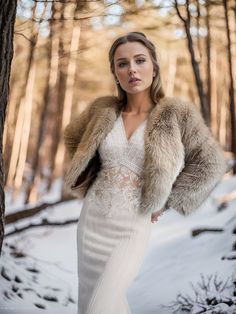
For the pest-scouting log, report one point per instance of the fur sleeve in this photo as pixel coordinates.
(204, 166)
(75, 129)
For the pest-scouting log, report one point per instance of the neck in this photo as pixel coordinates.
(137, 103)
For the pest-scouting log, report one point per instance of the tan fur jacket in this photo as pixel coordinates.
(183, 162)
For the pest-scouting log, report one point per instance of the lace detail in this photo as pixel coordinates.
(115, 150)
(116, 189)
(118, 183)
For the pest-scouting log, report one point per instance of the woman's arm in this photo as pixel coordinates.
(205, 164)
(74, 130)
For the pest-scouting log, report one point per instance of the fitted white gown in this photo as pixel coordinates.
(112, 236)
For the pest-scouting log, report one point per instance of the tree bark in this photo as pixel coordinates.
(55, 93)
(21, 214)
(231, 86)
(7, 20)
(201, 93)
(208, 53)
(50, 76)
(198, 231)
(18, 134)
(68, 99)
(44, 222)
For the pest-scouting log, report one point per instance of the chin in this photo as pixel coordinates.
(137, 91)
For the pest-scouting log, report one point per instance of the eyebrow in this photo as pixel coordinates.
(140, 54)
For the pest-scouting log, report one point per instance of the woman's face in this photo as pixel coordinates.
(133, 67)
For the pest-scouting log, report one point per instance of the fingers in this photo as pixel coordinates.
(155, 216)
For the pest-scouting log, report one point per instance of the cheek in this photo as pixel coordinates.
(148, 70)
(147, 67)
(121, 73)
(117, 71)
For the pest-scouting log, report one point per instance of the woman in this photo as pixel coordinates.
(133, 157)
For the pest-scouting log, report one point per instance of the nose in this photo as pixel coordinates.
(132, 68)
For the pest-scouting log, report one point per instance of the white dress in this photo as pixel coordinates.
(112, 236)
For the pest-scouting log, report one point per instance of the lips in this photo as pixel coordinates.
(134, 79)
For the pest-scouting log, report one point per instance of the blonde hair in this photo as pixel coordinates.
(156, 91)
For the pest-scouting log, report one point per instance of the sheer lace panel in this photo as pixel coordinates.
(115, 189)
(118, 184)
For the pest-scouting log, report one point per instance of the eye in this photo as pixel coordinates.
(140, 60)
(121, 64)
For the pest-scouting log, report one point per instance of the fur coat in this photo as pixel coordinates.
(182, 164)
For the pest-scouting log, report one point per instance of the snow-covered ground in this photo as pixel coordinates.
(39, 266)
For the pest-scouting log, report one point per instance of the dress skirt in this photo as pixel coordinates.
(110, 255)
(112, 235)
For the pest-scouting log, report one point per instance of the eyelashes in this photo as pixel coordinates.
(122, 64)
(141, 60)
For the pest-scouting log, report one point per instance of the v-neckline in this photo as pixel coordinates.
(135, 131)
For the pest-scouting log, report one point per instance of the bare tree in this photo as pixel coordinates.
(231, 86)
(208, 53)
(49, 92)
(201, 92)
(7, 20)
(21, 135)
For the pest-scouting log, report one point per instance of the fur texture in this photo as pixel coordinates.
(183, 162)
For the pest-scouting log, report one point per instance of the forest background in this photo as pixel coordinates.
(60, 64)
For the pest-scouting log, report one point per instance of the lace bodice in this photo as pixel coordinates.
(116, 149)
(119, 181)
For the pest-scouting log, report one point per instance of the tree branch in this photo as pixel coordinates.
(178, 12)
(196, 232)
(44, 222)
(31, 41)
(25, 213)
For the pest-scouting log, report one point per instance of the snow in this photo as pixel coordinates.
(175, 260)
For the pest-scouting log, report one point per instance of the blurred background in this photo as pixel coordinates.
(61, 63)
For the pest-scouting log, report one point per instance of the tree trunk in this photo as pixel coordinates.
(18, 134)
(171, 76)
(195, 65)
(231, 87)
(208, 53)
(51, 78)
(68, 100)
(7, 20)
(55, 94)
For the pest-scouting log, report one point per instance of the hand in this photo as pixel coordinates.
(156, 214)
